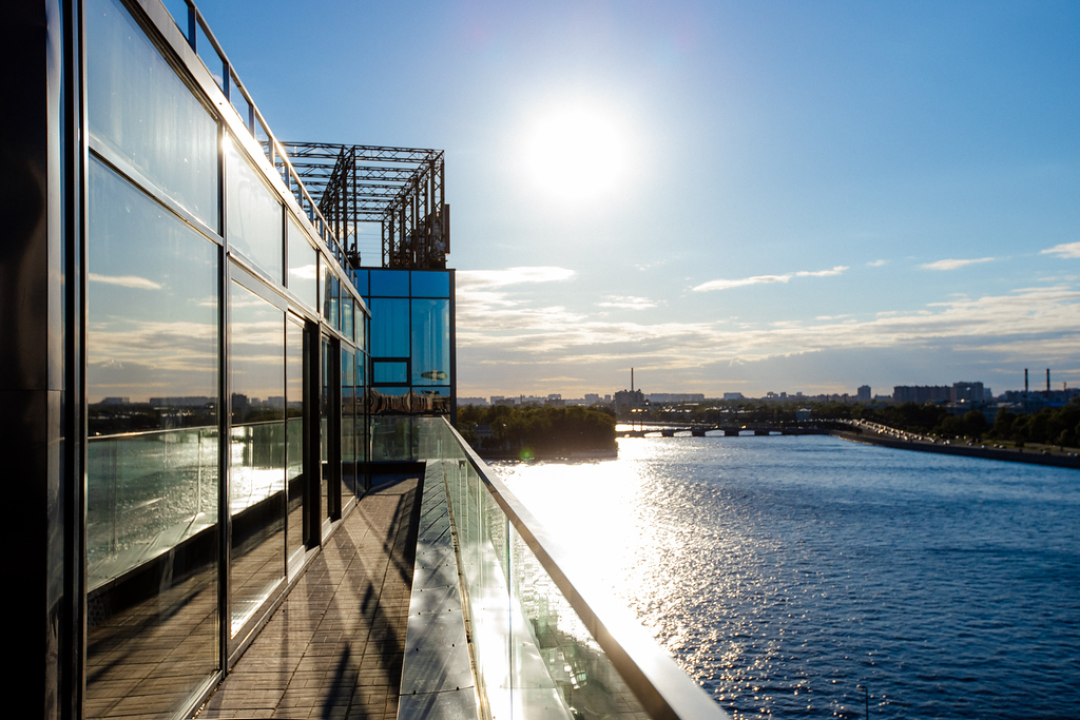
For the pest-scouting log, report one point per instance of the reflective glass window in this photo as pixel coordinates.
(430, 284)
(254, 214)
(361, 320)
(390, 371)
(303, 266)
(360, 281)
(294, 434)
(326, 287)
(390, 327)
(257, 502)
(141, 110)
(430, 342)
(348, 425)
(152, 454)
(334, 316)
(346, 313)
(390, 283)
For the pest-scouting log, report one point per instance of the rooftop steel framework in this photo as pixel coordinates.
(402, 189)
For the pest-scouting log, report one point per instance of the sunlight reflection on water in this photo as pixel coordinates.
(782, 573)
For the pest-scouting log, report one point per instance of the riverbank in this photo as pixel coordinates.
(1031, 456)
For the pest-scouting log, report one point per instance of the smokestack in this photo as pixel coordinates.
(1047, 379)
(631, 379)
(1025, 380)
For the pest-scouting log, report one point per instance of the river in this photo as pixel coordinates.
(804, 576)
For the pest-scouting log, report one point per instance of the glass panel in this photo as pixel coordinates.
(430, 400)
(303, 266)
(294, 459)
(360, 282)
(152, 533)
(430, 342)
(254, 214)
(431, 284)
(142, 111)
(361, 328)
(152, 349)
(384, 371)
(392, 439)
(333, 318)
(348, 425)
(392, 283)
(389, 328)
(361, 421)
(325, 287)
(325, 407)
(346, 314)
(257, 451)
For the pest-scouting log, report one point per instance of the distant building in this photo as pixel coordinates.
(472, 401)
(734, 396)
(967, 392)
(626, 401)
(676, 397)
(921, 394)
(864, 393)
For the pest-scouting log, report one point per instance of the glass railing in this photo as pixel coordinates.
(146, 493)
(545, 644)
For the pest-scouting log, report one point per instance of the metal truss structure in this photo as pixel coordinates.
(402, 189)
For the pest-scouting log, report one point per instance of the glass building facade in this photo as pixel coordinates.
(196, 382)
(185, 356)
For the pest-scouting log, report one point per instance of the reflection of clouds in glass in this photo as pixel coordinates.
(172, 350)
(304, 272)
(128, 281)
(257, 349)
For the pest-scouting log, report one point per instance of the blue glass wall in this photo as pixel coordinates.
(413, 363)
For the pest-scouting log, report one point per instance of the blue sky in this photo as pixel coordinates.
(726, 196)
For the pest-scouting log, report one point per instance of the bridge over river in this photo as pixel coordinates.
(727, 430)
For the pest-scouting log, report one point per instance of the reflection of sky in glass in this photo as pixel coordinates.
(142, 110)
(256, 355)
(430, 342)
(303, 270)
(152, 327)
(390, 328)
(430, 284)
(254, 214)
(392, 283)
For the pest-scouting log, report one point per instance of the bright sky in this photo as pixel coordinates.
(727, 196)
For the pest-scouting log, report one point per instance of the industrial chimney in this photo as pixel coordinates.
(1025, 381)
(1047, 379)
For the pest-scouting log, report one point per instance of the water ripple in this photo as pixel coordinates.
(787, 574)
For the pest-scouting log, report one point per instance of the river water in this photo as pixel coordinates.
(794, 576)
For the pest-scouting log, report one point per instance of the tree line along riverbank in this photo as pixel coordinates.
(538, 432)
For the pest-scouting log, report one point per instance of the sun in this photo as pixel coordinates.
(576, 154)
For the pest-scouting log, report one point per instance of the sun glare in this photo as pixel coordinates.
(576, 154)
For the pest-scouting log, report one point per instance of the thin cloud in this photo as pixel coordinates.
(953, 264)
(511, 276)
(627, 302)
(128, 281)
(1014, 325)
(876, 263)
(766, 279)
(1065, 250)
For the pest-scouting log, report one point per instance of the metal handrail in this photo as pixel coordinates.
(662, 687)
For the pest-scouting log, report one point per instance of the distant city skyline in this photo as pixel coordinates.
(728, 196)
